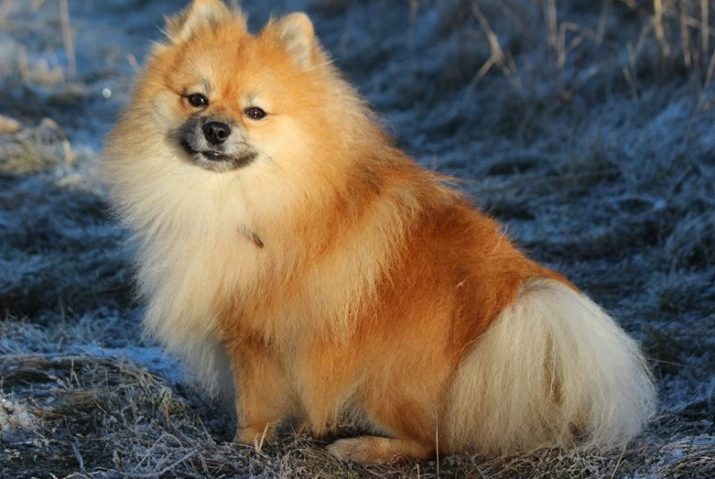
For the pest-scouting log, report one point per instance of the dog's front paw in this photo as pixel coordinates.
(254, 436)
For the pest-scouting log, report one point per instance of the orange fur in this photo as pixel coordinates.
(333, 274)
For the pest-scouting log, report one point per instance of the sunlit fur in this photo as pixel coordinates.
(334, 276)
(593, 371)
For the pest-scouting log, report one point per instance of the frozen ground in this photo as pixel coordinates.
(587, 127)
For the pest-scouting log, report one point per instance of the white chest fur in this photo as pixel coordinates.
(191, 237)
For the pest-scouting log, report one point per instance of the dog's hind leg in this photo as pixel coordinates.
(378, 450)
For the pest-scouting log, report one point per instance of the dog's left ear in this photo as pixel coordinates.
(295, 31)
(200, 15)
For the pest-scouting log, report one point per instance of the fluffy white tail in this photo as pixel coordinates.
(553, 370)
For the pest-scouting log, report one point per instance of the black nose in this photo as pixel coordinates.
(216, 132)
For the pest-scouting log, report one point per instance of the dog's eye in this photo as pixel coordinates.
(255, 113)
(198, 100)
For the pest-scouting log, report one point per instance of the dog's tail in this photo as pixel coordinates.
(552, 370)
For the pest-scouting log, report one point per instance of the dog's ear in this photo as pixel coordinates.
(201, 14)
(295, 32)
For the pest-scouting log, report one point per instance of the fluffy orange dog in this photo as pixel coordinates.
(287, 248)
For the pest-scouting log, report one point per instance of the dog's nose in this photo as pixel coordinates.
(216, 132)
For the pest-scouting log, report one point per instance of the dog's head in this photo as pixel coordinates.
(223, 99)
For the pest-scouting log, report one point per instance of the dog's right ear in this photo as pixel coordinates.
(201, 14)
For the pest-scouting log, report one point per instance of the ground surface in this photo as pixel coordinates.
(588, 128)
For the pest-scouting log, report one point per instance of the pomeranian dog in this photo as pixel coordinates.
(294, 257)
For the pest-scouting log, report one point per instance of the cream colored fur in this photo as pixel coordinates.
(552, 368)
(176, 210)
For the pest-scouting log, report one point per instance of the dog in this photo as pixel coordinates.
(292, 255)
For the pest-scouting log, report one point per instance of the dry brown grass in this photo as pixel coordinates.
(35, 149)
(81, 414)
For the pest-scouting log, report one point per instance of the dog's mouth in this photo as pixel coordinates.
(219, 161)
(213, 155)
